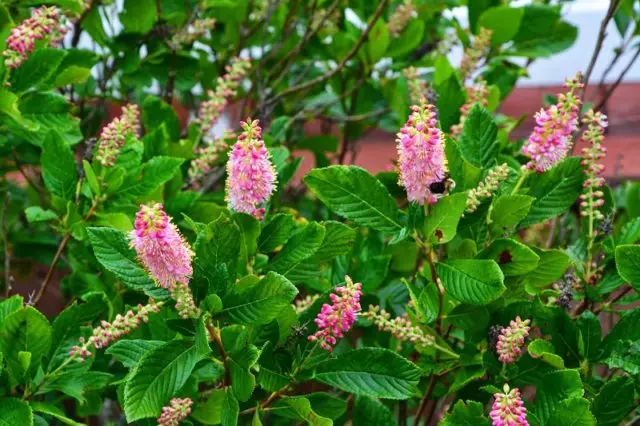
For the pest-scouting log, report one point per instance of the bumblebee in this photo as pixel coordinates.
(444, 187)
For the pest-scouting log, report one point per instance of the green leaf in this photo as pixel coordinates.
(209, 412)
(551, 267)
(463, 173)
(25, 330)
(441, 223)
(378, 41)
(466, 375)
(44, 112)
(374, 372)
(230, 409)
(625, 355)
(156, 172)
(38, 68)
(371, 412)
(9, 107)
(451, 97)
(156, 112)
(158, 376)
(503, 21)
(156, 142)
(130, 352)
(509, 210)
(243, 381)
(111, 248)
(614, 401)
(354, 194)
(261, 302)
(477, 282)
(475, 10)
(217, 246)
(408, 40)
(327, 405)
(555, 191)
(558, 39)
(299, 408)
(15, 412)
(628, 264)
(276, 232)
(300, 247)
(544, 350)
(138, 16)
(36, 214)
(58, 167)
(249, 228)
(590, 335)
(55, 412)
(478, 143)
(555, 387)
(9, 306)
(92, 181)
(469, 413)
(514, 258)
(626, 329)
(572, 412)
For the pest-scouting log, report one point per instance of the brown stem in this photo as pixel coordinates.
(343, 62)
(56, 257)
(5, 239)
(425, 400)
(613, 300)
(434, 278)
(213, 332)
(270, 400)
(402, 413)
(615, 85)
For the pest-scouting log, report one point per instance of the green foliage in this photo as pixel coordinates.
(408, 297)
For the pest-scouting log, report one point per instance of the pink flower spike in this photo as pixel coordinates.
(161, 249)
(508, 408)
(512, 339)
(114, 135)
(251, 177)
(178, 410)
(336, 319)
(421, 157)
(551, 139)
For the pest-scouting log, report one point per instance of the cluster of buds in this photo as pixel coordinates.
(305, 303)
(185, 305)
(591, 198)
(190, 33)
(251, 177)
(476, 95)
(226, 88)
(550, 140)
(512, 339)
(207, 156)
(46, 23)
(177, 410)
(474, 53)
(565, 289)
(401, 17)
(508, 408)
(417, 86)
(487, 187)
(109, 332)
(114, 135)
(421, 157)
(400, 327)
(336, 319)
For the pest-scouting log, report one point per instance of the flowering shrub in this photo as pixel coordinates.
(167, 260)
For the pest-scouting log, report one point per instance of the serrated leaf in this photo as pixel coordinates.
(138, 16)
(544, 350)
(514, 258)
(58, 166)
(555, 387)
(299, 408)
(572, 412)
(156, 112)
(244, 382)
(36, 69)
(230, 409)
(555, 191)
(441, 222)
(76, 383)
(478, 143)
(628, 264)
(509, 210)
(463, 173)
(155, 173)
(15, 412)
(36, 214)
(477, 282)
(590, 335)
(300, 247)
(374, 372)
(92, 181)
(626, 329)
(209, 412)
(158, 376)
(466, 413)
(354, 194)
(55, 412)
(276, 232)
(371, 412)
(9, 306)
(25, 330)
(614, 401)
(217, 247)
(551, 267)
(112, 250)
(408, 40)
(503, 21)
(44, 112)
(130, 352)
(262, 302)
